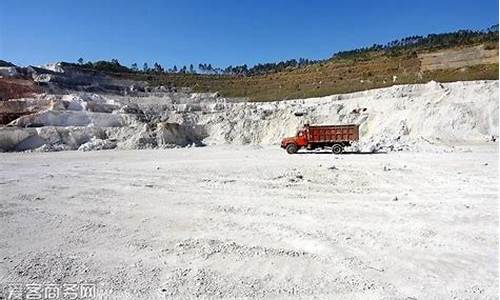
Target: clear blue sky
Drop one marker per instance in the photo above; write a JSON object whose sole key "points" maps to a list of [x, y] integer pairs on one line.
{"points": [[220, 32]]}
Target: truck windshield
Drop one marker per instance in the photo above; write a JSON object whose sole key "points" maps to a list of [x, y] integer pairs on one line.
{"points": [[300, 133]]}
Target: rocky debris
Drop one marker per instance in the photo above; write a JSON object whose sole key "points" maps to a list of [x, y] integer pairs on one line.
{"points": [[97, 144], [142, 137], [131, 108], [60, 138], [387, 144], [51, 148]]}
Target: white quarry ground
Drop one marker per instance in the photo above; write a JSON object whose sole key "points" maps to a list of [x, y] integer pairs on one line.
{"points": [[234, 221], [240, 218], [419, 117]]}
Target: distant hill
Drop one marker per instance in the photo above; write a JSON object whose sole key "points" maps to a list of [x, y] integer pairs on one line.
{"points": [[454, 56], [4, 63]]}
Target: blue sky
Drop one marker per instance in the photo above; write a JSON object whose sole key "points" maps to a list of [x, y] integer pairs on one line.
{"points": [[220, 32]]}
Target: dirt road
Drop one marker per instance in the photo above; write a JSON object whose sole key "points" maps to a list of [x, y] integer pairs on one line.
{"points": [[251, 221]]}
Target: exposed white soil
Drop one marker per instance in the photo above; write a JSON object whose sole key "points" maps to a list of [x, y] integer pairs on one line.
{"points": [[251, 221], [419, 117]]}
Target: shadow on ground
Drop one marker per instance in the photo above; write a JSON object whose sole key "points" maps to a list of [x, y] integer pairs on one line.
{"points": [[344, 153]]}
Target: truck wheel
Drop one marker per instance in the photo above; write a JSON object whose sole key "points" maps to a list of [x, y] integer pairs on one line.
{"points": [[291, 149], [337, 149]]}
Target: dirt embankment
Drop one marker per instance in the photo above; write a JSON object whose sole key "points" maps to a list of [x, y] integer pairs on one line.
{"points": [[13, 88], [458, 58], [371, 70]]}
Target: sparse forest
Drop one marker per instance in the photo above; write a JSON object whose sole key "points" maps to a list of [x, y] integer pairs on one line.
{"points": [[396, 47]]}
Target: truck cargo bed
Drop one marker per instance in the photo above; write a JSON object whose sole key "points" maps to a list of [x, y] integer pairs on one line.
{"points": [[332, 133]]}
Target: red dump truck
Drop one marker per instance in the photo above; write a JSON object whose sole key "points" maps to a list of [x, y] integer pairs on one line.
{"points": [[311, 137]]}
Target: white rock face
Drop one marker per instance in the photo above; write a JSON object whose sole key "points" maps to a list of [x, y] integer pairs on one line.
{"points": [[55, 67], [8, 71], [452, 112], [97, 144], [70, 118], [11, 138], [403, 117]]}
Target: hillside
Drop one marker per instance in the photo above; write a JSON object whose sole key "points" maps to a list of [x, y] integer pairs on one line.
{"points": [[445, 57], [456, 56], [370, 70]]}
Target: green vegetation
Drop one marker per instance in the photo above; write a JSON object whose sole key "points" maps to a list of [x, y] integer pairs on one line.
{"points": [[377, 66], [431, 42], [112, 66]]}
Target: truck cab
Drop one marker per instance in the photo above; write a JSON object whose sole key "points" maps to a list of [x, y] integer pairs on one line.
{"points": [[299, 140]]}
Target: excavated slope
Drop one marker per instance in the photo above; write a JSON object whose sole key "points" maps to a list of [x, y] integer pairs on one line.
{"points": [[401, 117]]}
